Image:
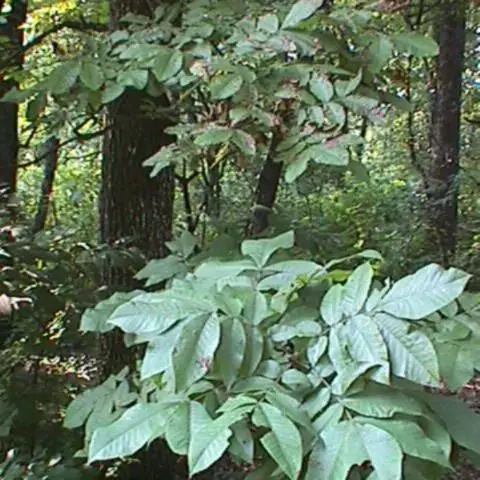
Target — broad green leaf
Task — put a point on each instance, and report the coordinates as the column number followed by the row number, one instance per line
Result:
column 336, row 114
column 331, row 306
column 215, row 269
column 381, row 402
column 415, row 44
column 349, row 443
column 242, row 444
column 261, row 250
column 366, row 344
column 210, row 438
column 245, row 142
column 300, row 11
column 368, row 254
column 283, row 443
column 225, row 86
column 290, row 407
column 328, row 155
column 178, row 427
column 411, row 438
column 153, row 313
column 92, row 76
column 161, row 269
column 230, row 354
column 331, row 416
column 268, row 23
column 456, row 364
column 111, row 92
column 296, row 380
column 256, row 307
column 426, row 291
column 63, row 78
column 461, row 421
column 253, row 350
column 213, row 136
column 315, row 351
column 356, row 289
column 379, row 52
column 337, row 347
column 82, row 406
column 167, row 64
column 196, row 347
column 322, row 88
column 346, row 87
column 96, row 319
column 135, row 428
column 133, row 78
column 411, row 355
column 158, row 354
column 296, row 168
column 349, row 374
column 317, row 402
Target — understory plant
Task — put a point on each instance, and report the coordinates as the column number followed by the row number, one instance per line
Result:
column 287, row 367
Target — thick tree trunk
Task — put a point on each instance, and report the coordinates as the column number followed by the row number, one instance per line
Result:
column 12, row 35
column 442, row 174
column 136, row 207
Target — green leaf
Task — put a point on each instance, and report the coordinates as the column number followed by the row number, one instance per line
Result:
column 328, row 155
column 158, row 354
column 317, row 402
column 346, row 87
column 225, row 86
column 356, row 289
column 381, row 402
column 461, row 421
column 331, row 416
column 268, row 23
column 349, row 443
column 256, row 307
column 253, row 350
column 411, row 438
column 95, row 319
column 137, row 79
column 415, row 44
column 36, row 106
column 426, row 291
column 411, row 355
column 317, row 350
column 63, row 78
column 283, row 443
column 196, row 347
column 209, row 439
column 456, row 364
column 331, row 307
column 290, row 407
column 231, row 351
column 336, row 114
column 161, row 269
column 245, row 142
column 379, row 52
column 213, row 136
column 135, row 428
column 92, row 76
column 111, row 92
column 242, row 444
column 214, row 269
column 300, row 11
column 167, row 64
column 322, row 88
column 296, row 168
column 261, row 250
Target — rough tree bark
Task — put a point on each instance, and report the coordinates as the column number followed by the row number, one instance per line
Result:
column 136, row 207
column 12, row 34
column 443, row 168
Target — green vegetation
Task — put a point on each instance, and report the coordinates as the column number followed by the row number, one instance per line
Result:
column 236, row 238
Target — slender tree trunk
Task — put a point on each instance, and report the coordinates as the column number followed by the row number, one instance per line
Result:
column 12, row 35
column 266, row 193
column 442, row 174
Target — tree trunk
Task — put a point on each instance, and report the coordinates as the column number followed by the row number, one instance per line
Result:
column 442, row 174
column 266, row 193
column 12, row 35
column 136, row 207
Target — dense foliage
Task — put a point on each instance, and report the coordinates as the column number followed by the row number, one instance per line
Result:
column 312, row 117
